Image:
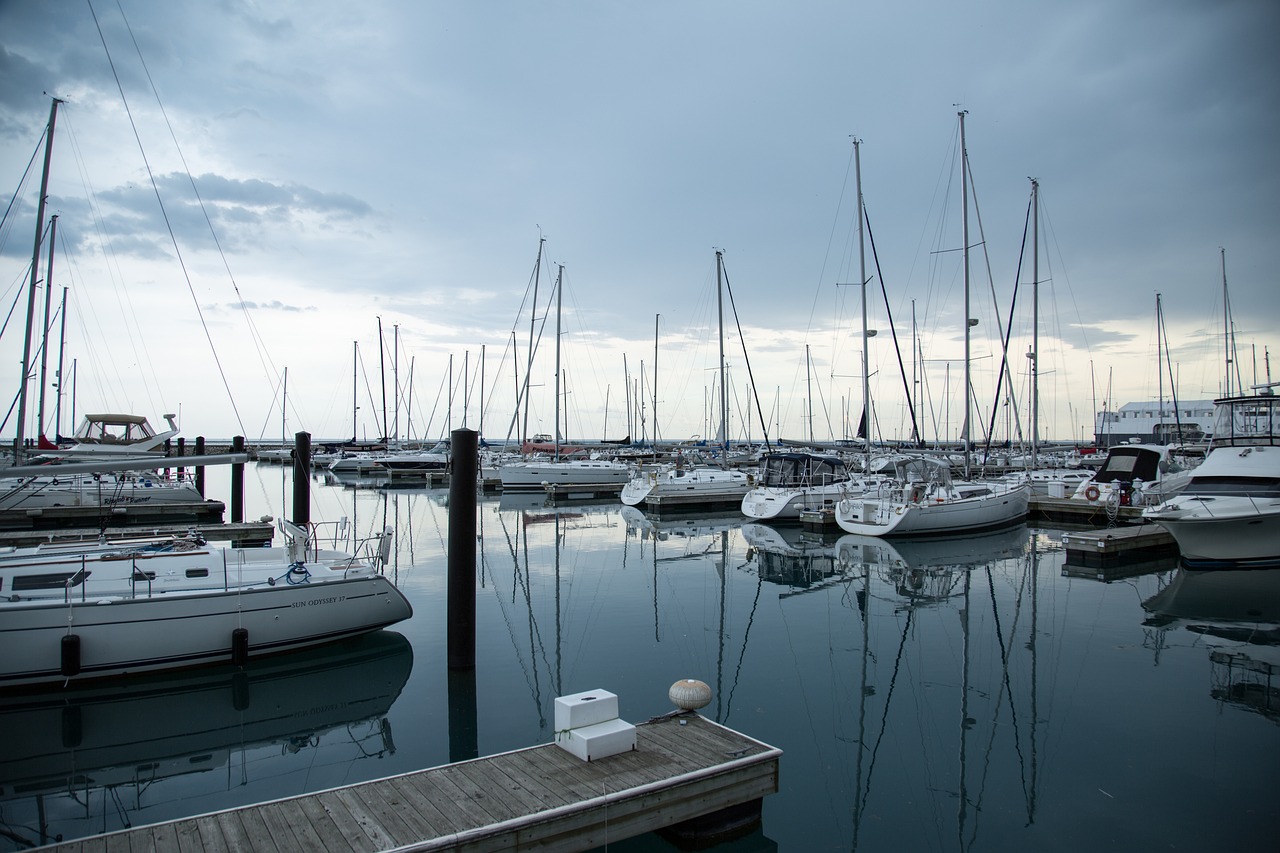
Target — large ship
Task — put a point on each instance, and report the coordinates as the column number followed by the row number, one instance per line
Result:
column 1191, row 421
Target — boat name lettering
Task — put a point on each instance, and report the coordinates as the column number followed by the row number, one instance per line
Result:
column 333, row 599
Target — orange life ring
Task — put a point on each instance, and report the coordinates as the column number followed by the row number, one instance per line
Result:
column 1092, row 492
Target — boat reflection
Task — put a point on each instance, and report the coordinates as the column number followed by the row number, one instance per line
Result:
column 792, row 557
column 926, row 570
column 117, row 746
column 1236, row 614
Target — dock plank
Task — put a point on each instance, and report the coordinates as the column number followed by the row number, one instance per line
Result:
column 330, row 832
column 233, row 831
column 211, row 838
column 424, row 807
column 540, row 798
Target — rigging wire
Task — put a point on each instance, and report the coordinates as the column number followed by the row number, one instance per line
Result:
column 168, row 224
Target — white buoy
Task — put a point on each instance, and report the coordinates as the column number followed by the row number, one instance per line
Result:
column 689, row 694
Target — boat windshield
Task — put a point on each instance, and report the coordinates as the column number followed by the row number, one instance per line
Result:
column 1130, row 463
column 1241, row 421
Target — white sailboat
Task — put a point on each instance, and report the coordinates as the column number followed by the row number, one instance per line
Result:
column 699, row 484
column 923, row 499
column 529, row 474
column 77, row 612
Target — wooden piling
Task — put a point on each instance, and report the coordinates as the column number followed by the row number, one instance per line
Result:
column 463, row 461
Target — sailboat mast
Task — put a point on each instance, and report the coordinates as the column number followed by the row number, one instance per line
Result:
column 44, row 327
column 533, row 319
column 62, row 350
column 1226, row 318
column 656, row 318
column 724, row 399
column 862, row 278
column 382, row 377
column 35, row 276
column 1035, row 320
column 1159, row 367
column 559, row 297
column 964, row 191
column 355, row 390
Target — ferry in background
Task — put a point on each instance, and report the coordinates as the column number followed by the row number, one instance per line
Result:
column 1190, row 422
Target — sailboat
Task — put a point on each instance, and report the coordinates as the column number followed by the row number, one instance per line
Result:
column 531, row 474
column 79, row 611
column 923, row 498
column 699, row 485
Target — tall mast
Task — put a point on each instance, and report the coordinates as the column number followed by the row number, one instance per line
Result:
column 382, row 377
column 724, row 399
column 862, row 279
column 1226, row 319
column 57, row 377
column 533, row 319
column 44, row 327
column 1035, row 320
column 35, row 277
column 1159, row 366
column 559, row 297
column 355, row 390
column 656, row 317
column 964, row 190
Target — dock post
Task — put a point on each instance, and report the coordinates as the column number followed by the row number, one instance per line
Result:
column 200, row 468
column 182, row 451
column 302, row 479
column 463, row 459
column 237, row 482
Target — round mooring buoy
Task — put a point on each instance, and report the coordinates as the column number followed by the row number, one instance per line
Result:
column 689, row 694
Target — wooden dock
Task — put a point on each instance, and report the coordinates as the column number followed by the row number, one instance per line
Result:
column 1071, row 511
column 683, row 768
column 1134, row 547
column 245, row 534
column 562, row 493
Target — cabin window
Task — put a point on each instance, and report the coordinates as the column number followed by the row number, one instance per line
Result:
column 1249, row 487
column 52, row 581
column 197, row 573
column 139, row 575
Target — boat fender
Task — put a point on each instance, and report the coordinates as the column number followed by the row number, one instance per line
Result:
column 1092, row 493
column 72, row 726
column 71, row 655
column 240, row 646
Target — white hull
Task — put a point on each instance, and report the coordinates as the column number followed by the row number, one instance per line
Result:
column 1248, row 533
column 707, row 484
column 139, row 605
column 772, row 503
column 892, row 516
column 171, row 630
column 1229, row 513
column 107, row 490
column 528, row 476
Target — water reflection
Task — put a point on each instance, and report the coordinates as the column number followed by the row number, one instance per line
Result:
column 133, row 751
column 1235, row 614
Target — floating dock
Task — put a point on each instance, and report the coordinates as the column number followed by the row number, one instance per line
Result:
column 1071, row 511
column 684, row 768
column 1137, row 549
column 560, row 493
column 245, row 534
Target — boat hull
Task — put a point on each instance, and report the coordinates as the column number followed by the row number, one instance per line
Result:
column 880, row 517
column 117, row 635
column 530, row 476
column 1236, row 531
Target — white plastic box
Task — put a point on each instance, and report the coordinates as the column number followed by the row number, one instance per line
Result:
column 600, row 740
column 585, row 709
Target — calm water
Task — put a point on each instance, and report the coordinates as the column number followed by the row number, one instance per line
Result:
column 974, row 694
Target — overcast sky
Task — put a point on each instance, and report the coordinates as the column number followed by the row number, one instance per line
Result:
column 402, row 161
